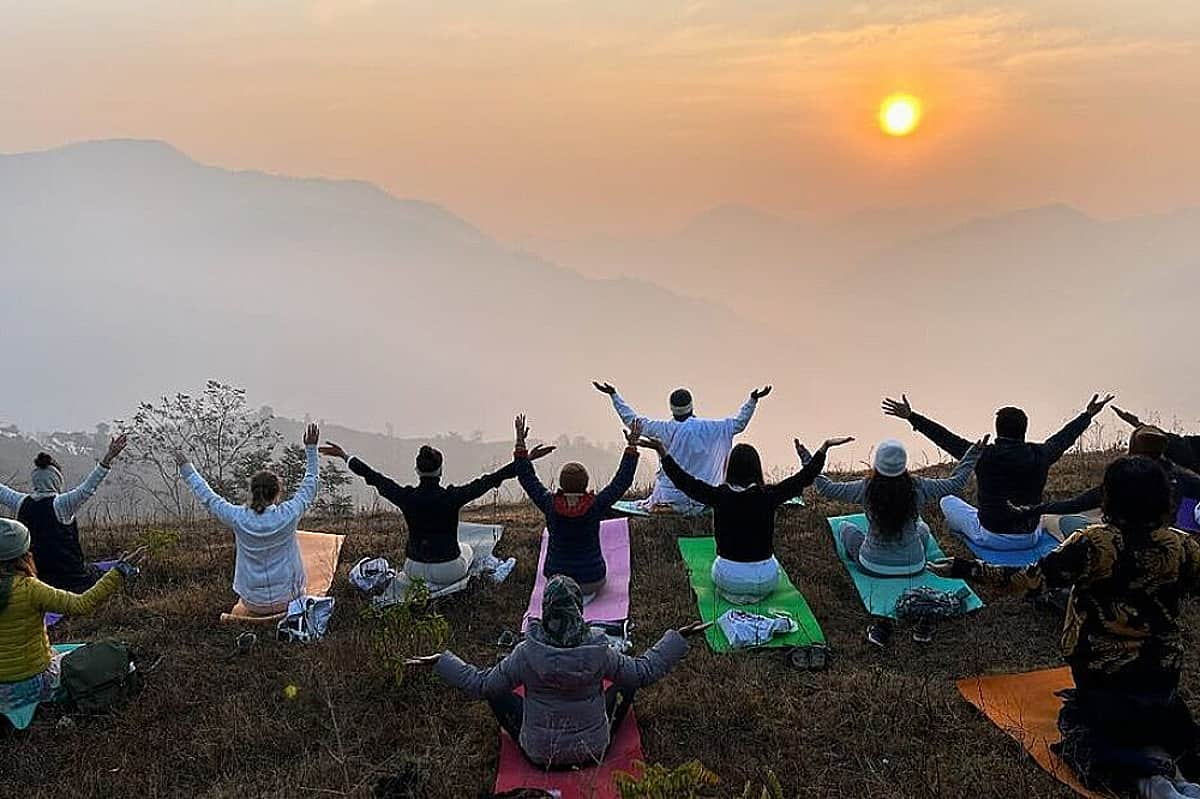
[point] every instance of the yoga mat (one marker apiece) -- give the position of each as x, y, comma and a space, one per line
611, 602
1025, 707
698, 556
320, 554
1014, 557
22, 716
591, 783
879, 594
51, 619
481, 538
630, 507
1186, 518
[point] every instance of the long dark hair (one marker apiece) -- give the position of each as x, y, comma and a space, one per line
891, 503
1137, 495
745, 467
9, 570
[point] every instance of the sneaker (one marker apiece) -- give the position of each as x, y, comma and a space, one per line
879, 632
923, 633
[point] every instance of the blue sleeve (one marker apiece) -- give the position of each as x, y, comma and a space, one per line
533, 487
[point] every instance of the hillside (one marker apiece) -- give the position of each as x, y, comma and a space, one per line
214, 724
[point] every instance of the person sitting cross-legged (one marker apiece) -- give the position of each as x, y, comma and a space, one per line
567, 717
1010, 471
700, 446
573, 514
744, 504
1124, 725
433, 553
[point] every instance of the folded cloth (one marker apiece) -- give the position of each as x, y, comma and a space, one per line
699, 554
370, 575
637, 508
880, 594
1026, 707
745, 630
611, 602
307, 619
319, 552
598, 782
1046, 543
21, 715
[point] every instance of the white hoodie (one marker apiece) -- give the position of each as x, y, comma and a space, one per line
269, 570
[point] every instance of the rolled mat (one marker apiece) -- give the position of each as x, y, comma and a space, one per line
879, 594
51, 619
1186, 518
611, 602
515, 771
21, 717
698, 556
1014, 557
320, 552
1026, 708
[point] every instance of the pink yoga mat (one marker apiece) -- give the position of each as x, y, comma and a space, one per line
612, 601
592, 783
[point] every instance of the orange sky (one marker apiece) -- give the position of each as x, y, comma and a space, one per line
537, 118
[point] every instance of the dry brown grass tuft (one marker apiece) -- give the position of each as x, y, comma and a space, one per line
214, 724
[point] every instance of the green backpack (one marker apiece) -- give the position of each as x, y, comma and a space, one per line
97, 677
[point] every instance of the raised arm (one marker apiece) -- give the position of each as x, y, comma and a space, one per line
739, 421
622, 481
11, 498
306, 492
224, 511
952, 443
849, 491
656, 663
656, 428
490, 683
1057, 445
794, 486
67, 504
936, 488
388, 488
526, 476
48, 599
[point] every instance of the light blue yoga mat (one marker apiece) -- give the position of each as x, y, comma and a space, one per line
630, 507
1013, 557
21, 717
879, 594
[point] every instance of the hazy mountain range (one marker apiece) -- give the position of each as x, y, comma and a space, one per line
132, 271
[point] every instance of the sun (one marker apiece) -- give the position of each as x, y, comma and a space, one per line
899, 114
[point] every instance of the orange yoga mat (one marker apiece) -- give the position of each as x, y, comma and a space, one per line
320, 553
1025, 707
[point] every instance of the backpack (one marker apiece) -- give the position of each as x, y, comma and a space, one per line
97, 677
923, 602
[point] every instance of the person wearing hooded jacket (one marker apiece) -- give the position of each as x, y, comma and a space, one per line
566, 718
49, 515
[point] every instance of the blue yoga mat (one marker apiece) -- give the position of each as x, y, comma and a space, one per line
630, 507
1186, 518
1013, 557
22, 716
879, 594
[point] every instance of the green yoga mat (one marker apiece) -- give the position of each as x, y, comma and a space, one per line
879, 594
699, 554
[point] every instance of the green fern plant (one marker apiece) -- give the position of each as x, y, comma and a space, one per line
688, 781
406, 629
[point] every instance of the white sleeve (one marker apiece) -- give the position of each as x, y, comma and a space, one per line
11, 499
224, 510
651, 428
68, 504
737, 423
306, 492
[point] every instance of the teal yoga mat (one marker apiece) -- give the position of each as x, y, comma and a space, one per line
699, 554
21, 717
879, 594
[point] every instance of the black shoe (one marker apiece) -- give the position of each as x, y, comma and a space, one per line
923, 633
879, 632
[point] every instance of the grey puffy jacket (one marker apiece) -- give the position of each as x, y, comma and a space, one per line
565, 721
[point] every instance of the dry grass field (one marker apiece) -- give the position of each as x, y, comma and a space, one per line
215, 723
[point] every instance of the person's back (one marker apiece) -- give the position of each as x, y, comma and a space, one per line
56, 548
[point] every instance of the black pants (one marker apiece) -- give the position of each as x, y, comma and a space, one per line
510, 712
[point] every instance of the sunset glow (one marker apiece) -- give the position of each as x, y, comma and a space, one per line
899, 114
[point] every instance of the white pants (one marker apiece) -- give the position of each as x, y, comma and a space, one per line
963, 518
745, 583
440, 575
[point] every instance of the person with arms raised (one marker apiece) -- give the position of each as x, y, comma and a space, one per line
1010, 471
1124, 725
745, 570
1182, 450
700, 446
49, 514
573, 514
29, 667
433, 553
567, 717
268, 572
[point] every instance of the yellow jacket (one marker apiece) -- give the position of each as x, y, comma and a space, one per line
24, 644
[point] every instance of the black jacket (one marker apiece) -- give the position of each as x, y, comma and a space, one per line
1008, 470
57, 554
744, 518
1185, 484
431, 509
1184, 451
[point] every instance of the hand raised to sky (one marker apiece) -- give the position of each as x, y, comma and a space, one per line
604, 388
901, 409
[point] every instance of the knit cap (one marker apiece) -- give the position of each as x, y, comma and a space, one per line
14, 539
891, 459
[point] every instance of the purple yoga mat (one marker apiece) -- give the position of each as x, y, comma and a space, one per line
1186, 520
612, 601
52, 619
